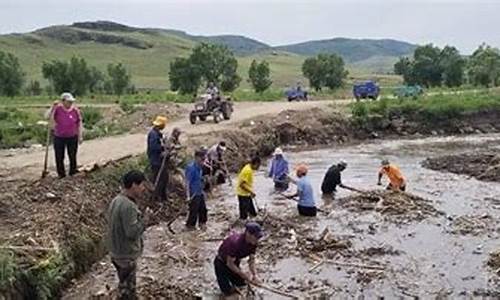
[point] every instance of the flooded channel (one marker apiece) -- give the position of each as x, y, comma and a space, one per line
424, 259
432, 261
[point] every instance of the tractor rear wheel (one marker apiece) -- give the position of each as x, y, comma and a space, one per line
226, 111
192, 118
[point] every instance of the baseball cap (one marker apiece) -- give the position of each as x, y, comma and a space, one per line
254, 229
67, 97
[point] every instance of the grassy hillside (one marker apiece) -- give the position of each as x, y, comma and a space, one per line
352, 50
148, 52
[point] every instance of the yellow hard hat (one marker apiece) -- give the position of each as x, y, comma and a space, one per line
160, 120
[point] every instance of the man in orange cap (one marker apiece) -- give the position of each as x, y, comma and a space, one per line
306, 204
396, 180
157, 158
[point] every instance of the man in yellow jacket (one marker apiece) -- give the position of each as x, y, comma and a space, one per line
396, 180
244, 189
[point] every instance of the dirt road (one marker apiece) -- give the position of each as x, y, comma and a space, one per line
28, 164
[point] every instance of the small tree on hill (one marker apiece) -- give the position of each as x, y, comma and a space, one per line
119, 78
11, 75
207, 62
259, 76
325, 70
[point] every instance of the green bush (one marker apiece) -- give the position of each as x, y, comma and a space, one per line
8, 270
91, 116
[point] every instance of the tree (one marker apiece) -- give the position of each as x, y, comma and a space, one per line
404, 67
325, 70
484, 66
11, 75
453, 66
119, 78
432, 66
259, 76
209, 63
97, 79
73, 76
427, 69
184, 77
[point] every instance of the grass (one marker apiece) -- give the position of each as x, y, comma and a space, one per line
19, 127
435, 108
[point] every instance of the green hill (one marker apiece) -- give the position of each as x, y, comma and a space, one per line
147, 52
352, 50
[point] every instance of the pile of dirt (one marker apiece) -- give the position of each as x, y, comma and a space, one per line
313, 127
494, 261
396, 207
153, 289
483, 166
141, 117
473, 225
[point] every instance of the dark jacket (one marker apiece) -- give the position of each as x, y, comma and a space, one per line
125, 229
331, 180
155, 147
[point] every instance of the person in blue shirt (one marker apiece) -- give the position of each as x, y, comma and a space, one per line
195, 196
279, 171
157, 158
306, 204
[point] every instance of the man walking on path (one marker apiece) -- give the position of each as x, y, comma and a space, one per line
125, 229
244, 189
333, 178
279, 171
157, 157
396, 180
68, 133
234, 248
194, 187
306, 205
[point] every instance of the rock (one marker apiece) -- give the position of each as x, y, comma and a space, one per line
374, 135
434, 132
50, 196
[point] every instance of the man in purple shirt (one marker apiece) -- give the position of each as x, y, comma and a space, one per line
67, 125
234, 248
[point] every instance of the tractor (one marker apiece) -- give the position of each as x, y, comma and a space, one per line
214, 106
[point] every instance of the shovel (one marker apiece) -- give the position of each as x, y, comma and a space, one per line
45, 171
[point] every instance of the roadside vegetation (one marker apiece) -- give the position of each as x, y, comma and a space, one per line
427, 109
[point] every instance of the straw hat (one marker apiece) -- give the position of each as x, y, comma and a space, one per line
160, 120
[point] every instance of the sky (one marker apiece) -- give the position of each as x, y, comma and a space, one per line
461, 23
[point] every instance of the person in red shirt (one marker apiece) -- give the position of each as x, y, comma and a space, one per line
234, 248
67, 130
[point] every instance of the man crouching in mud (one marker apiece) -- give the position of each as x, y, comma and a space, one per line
237, 246
126, 226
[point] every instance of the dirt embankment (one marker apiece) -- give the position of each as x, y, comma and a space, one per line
408, 125
483, 166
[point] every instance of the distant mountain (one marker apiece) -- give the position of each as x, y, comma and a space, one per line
352, 50
239, 44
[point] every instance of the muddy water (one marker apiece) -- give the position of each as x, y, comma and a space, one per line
432, 261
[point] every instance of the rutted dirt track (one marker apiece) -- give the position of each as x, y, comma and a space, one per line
30, 164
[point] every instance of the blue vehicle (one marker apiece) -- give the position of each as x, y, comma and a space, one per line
366, 90
296, 93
